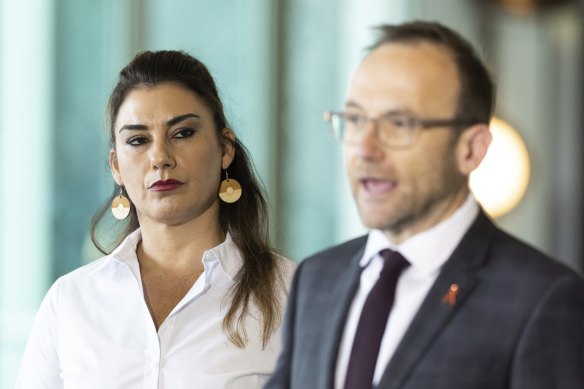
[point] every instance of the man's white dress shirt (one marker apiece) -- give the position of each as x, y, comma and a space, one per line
94, 331
426, 252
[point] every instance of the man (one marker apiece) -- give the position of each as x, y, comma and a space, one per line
473, 307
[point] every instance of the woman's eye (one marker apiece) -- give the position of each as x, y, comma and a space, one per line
184, 133
137, 141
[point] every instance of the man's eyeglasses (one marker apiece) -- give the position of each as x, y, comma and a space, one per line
395, 129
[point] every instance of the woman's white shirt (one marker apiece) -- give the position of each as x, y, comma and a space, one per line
94, 330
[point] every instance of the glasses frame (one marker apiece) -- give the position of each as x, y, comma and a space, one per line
417, 124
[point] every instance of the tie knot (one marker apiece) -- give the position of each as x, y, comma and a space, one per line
393, 262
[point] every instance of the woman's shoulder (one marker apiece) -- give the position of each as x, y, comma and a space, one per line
286, 268
76, 281
103, 266
122, 257
288, 265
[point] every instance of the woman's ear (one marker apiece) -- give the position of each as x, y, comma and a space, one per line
472, 147
114, 167
228, 146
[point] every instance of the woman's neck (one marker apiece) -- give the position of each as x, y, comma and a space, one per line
177, 248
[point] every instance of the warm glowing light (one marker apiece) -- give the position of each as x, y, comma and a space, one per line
501, 180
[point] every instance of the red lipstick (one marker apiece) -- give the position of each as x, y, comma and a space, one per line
164, 185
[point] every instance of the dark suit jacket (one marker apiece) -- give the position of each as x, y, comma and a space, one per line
518, 321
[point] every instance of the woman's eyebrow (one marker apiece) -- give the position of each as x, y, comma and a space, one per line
132, 127
170, 122
180, 118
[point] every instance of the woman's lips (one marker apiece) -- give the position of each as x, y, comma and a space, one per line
164, 185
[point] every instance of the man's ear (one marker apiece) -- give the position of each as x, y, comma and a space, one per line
472, 147
228, 146
114, 167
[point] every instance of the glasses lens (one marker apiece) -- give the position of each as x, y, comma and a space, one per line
353, 127
397, 130
338, 124
394, 130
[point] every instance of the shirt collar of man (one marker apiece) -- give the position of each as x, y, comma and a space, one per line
430, 249
226, 254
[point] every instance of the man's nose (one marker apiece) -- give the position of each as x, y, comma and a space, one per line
370, 145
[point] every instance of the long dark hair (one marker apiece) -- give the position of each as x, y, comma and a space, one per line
260, 280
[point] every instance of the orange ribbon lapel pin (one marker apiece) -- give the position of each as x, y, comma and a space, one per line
450, 296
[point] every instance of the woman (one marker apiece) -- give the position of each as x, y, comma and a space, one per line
192, 295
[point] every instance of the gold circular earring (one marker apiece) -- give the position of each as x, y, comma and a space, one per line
121, 206
230, 190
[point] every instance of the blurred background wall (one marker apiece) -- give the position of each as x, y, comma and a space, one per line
278, 65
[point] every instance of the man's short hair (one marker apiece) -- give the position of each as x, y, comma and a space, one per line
476, 98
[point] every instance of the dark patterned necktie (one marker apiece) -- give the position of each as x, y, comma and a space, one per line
372, 322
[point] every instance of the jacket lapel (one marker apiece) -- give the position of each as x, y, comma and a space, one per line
455, 283
343, 293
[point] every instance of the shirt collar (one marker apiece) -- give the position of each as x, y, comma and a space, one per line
126, 251
226, 254
430, 249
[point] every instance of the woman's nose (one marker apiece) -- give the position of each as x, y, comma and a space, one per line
161, 155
